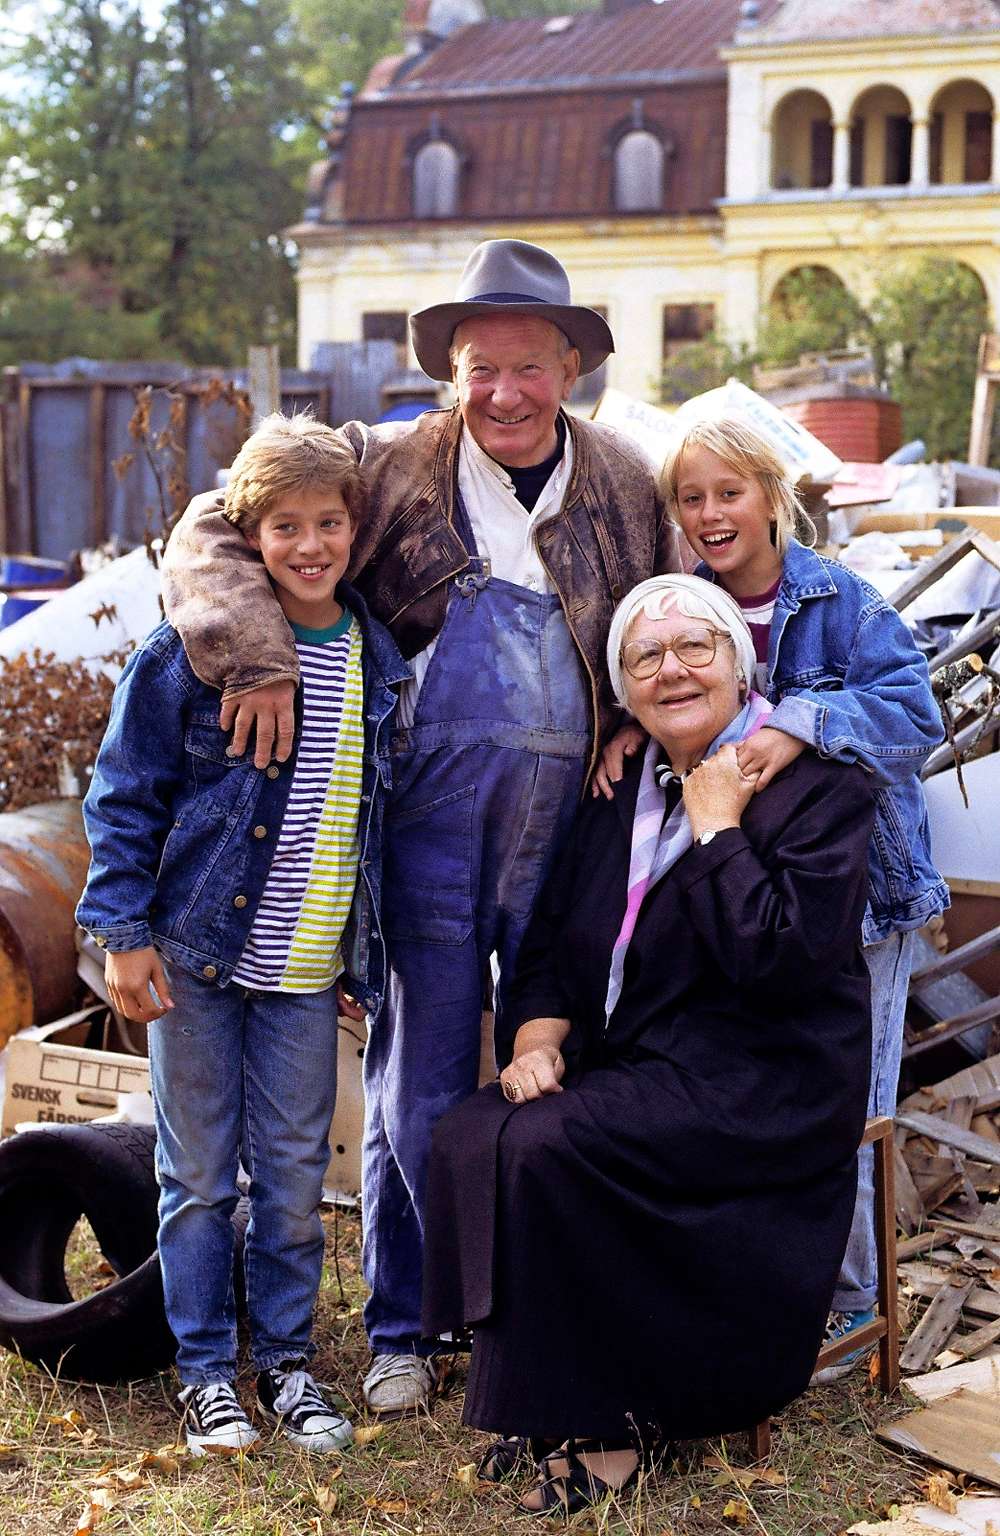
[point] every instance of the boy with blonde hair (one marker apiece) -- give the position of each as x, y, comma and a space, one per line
222, 893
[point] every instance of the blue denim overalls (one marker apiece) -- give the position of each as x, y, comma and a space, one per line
485, 786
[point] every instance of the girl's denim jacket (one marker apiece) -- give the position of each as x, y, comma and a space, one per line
182, 836
848, 680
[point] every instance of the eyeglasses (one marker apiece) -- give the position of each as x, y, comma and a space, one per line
693, 648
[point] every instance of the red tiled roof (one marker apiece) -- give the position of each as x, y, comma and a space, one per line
798, 20
644, 41
548, 159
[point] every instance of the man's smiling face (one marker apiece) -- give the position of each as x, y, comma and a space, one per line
512, 373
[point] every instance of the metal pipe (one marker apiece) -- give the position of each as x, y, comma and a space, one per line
43, 867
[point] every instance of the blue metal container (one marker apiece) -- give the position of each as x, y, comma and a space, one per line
30, 571
14, 605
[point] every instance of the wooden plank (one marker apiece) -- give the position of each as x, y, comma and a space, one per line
930, 571
981, 421
981, 634
97, 449
961, 1432
947, 1029
959, 1111
987, 547
982, 1229
910, 1212
937, 1325
981, 1078
25, 488
969, 1345
977, 1147
977, 1375
4, 522
956, 959
981, 1299
921, 1242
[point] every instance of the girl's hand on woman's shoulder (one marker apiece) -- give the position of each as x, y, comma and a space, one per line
767, 752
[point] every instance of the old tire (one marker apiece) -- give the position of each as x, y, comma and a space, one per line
49, 1178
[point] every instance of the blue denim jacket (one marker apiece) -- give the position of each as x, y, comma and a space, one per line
848, 680
182, 836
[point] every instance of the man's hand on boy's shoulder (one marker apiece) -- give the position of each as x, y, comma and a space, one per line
128, 975
269, 712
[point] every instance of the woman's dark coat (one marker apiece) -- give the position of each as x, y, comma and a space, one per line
660, 1241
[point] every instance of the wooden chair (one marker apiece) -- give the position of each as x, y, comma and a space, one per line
883, 1330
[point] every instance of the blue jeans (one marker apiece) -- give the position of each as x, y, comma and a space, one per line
889, 964
240, 1072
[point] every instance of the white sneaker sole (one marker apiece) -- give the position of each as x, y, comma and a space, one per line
202, 1445
318, 1444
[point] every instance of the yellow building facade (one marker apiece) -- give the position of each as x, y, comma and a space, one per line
846, 152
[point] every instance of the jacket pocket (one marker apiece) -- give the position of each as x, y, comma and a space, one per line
428, 870
206, 747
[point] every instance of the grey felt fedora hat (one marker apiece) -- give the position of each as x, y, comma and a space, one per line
509, 277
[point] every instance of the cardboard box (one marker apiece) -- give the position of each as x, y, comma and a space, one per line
53, 1077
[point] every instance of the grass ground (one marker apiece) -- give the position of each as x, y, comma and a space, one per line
75, 1458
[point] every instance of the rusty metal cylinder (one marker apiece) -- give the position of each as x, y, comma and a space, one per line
43, 867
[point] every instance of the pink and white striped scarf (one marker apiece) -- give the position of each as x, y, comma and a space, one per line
657, 844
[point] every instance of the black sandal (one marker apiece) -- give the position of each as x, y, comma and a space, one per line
578, 1487
509, 1458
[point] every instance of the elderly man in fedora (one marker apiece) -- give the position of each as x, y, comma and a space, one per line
500, 536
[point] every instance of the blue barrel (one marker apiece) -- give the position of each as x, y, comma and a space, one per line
31, 571
14, 605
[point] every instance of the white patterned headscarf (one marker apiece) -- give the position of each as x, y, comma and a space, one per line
695, 597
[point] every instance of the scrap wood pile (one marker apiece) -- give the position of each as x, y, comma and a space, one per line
947, 1164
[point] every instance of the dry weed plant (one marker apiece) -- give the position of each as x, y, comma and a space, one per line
62, 1443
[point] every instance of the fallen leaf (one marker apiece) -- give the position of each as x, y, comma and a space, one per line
744, 1477
164, 1460
70, 1423
695, 1501
937, 1490
366, 1433
387, 1506
326, 1498
123, 1480
11, 1457
467, 1475
101, 1500
737, 1510
874, 1369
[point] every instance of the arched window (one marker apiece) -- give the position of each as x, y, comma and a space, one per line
436, 170
638, 172
802, 142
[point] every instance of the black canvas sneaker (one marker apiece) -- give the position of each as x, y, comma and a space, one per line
214, 1421
289, 1397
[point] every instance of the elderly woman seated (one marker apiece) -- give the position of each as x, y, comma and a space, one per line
643, 1221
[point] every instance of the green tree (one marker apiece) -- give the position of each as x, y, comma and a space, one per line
812, 311
928, 317
159, 166
697, 366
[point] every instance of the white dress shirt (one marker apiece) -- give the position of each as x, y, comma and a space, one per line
504, 532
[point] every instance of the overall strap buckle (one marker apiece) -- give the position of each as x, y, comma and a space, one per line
471, 582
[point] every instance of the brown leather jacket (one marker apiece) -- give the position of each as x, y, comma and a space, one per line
611, 533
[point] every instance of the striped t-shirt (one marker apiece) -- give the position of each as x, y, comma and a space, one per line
294, 941
758, 612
